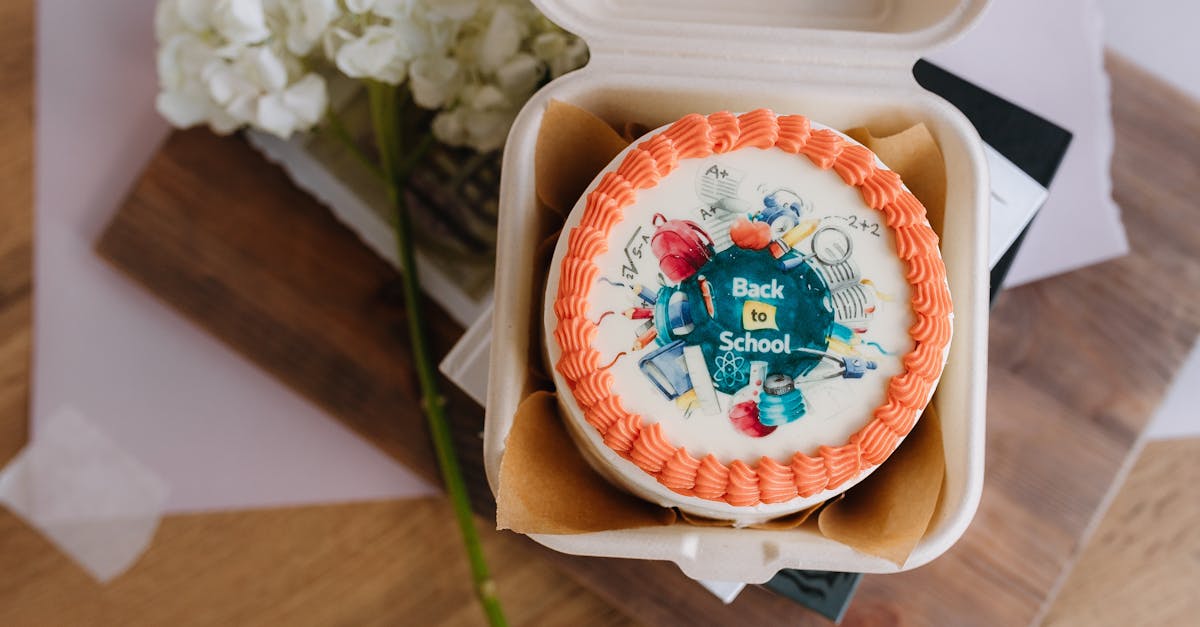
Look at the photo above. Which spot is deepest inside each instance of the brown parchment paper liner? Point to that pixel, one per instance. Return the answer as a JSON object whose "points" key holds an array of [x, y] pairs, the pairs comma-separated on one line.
{"points": [[545, 484]]}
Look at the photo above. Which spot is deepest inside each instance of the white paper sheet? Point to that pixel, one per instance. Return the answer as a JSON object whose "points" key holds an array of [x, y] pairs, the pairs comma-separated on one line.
{"points": [[1015, 199], [94, 501]]}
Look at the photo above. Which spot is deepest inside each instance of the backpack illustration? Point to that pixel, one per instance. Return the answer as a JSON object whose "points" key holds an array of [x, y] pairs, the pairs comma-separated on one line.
{"points": [[682, 247]]}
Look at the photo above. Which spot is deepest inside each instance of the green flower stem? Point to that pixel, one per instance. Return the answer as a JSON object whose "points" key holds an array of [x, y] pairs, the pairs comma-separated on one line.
{"points": [[335, 125], [383, 117]]}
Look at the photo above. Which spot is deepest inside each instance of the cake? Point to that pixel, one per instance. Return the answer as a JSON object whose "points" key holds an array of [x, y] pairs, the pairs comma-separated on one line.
{"points": [[745, 315]]}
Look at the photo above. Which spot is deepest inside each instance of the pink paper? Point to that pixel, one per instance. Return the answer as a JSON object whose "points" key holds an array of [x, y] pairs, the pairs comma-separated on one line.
{"points": [[222, 433], [1048, 57]]}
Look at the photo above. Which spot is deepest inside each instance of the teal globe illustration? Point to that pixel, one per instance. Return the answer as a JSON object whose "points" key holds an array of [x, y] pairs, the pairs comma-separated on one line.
{"points": [[759, 312]]}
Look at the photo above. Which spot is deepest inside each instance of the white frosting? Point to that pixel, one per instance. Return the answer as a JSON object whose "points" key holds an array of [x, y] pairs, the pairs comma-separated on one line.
{"points": [[836, 407]]}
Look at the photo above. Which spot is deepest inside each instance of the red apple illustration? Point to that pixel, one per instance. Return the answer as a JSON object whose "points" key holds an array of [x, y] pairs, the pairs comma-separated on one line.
{"points": [[750, 235]]}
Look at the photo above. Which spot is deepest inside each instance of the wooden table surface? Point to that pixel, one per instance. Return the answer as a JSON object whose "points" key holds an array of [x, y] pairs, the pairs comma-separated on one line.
{"points": [[399, 562]]}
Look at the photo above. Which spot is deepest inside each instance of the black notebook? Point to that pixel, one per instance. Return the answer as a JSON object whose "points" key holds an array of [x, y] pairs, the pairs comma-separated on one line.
{"points": [[1031, 142]]}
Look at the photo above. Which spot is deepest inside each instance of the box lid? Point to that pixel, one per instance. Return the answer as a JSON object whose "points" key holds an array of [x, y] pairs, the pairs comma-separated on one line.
{"points": [[844, 33]]}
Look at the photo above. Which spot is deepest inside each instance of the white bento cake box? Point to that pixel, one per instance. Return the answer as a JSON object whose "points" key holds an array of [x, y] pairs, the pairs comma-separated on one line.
{"points": [[845, 64]]}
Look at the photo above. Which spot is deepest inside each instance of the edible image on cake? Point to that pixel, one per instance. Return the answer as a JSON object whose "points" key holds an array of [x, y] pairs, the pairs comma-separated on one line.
{"points": [[744, 304]]}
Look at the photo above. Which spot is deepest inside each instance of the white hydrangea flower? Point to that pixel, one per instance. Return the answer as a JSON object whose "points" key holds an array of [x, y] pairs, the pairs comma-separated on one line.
{"points": [[487, 98], [505, 51], [307, 21], [448, 127], [546, 46], [487, 130], [480, 122], [520, 75], [240, 21], [572, 57], [232, 63], [382, 53], [502, 39], [454, 10], [433, 80], [300, 106], [333, 40], [184, 99], [392, 10], [220, 63], [359, 6]]}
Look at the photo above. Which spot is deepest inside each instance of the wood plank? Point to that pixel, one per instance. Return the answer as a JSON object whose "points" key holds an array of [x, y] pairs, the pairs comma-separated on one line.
{"points": [[1142, 565], [16, 224], [395, 563]]}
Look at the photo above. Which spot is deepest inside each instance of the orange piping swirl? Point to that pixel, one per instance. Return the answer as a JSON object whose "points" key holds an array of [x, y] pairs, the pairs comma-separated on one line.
{"points": [[924, 358], [621, 434], [571, 307], [679, 472], [841, 462], [932, 298], [877, 442], [604, 412], [881, 188], [903, 209], [724, 131], [776, 482], [810, 473], [576, 275], [587, 243], [855, 164], [606, 213], [911, 389], [759, 129], [924, 268], [711, 479], [575, 334], [823, 148], [651, 450], [898, 417], [743, 485], [593, 387], [691, 136], [617, 187], [574, 365], [915, 240], [934, 330], [639, 169], [662, 149], [794, 132], [768, 481]]}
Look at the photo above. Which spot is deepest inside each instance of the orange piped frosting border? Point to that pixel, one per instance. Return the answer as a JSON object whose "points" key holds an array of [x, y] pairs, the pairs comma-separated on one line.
{"points": [[767, 481]]}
